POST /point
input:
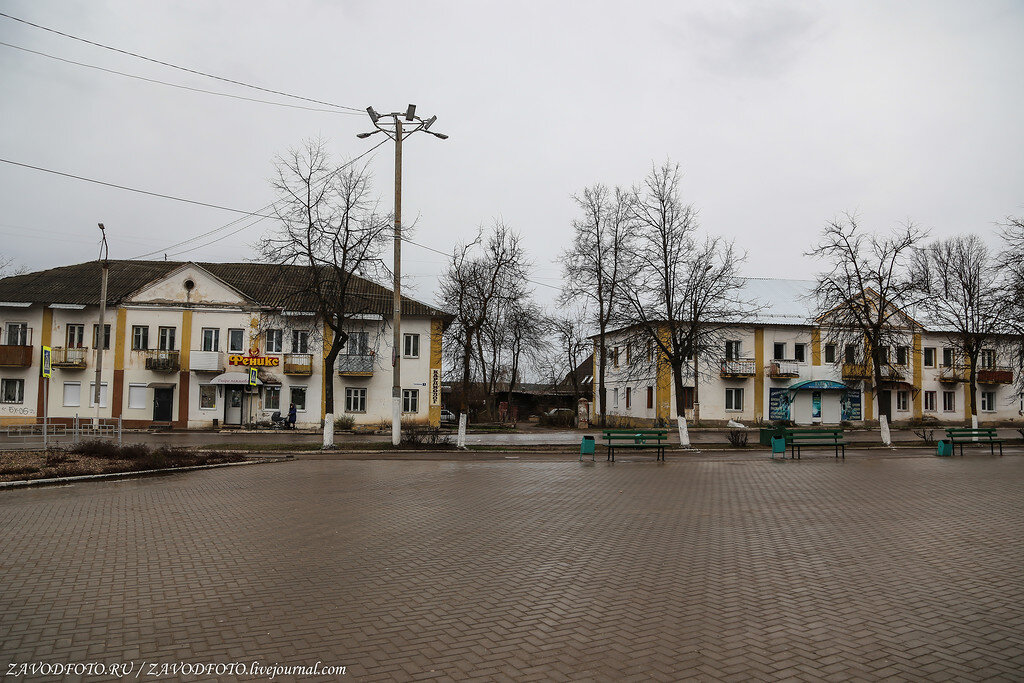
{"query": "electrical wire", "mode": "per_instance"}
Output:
(176, 85)
(180, 68)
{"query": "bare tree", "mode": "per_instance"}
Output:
(526, 339)
(7, 267)
(862, 295)
(330, 227)
(570, 346)
(685, 290)
(594, 266)
(1011, 267)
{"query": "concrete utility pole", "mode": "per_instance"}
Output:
(397, 132)
(100, 337)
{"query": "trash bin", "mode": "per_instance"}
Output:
(778, 445)
(587, 446)
(944, 448)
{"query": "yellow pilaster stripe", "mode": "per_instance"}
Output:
(918, 361)
(47, 331)
(759, 374)
(119, 337)
(663, 386)
(328, 374)
(869, 394)
(186, 338)
(815, 346)
(436, 328)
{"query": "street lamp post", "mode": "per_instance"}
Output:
(397, 131)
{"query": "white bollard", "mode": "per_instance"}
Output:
(329, 430)
(684, 434)
(460, 440)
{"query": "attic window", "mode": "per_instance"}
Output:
(189, 285)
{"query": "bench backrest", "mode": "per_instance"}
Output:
(635, 431)
(968, 431)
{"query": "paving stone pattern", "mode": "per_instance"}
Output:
(872, 568)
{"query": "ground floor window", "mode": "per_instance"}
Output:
(72, 394)
(734, 399)
(272, 397)
(988, 401)
(12, 390)
(298, 397)
(650, 397)
(903, 400)
(948, 401)
(410, 400)
(207, 397)
(615, 398)
(929, 401)
(136, 395)
(355, 400)
(629, 397)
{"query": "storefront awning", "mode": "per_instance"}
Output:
(161, 385)
(233, 378)
(818, 385)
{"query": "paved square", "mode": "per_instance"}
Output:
(876, 567)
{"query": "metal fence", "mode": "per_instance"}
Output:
(42, 436)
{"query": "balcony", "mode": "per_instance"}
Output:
(738, 368)
(953, 373)
(894, 373)
(356, 365)
(206, 361)
(15, 356)
(163, 361)
(299, 364)
(73, 358)
(783, 369)
(999, 374)
(855, 371)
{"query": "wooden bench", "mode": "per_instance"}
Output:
(635, 438)
(798, 439)
(962, 435)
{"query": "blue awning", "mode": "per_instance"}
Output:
(818, 385)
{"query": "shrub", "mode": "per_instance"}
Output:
(738, 438)
(344, 422)
(419, 435)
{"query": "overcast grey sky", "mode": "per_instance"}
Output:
(780, 114)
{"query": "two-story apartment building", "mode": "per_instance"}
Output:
(179, 340)
(780, 364)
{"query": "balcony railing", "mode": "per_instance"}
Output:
(206, 361)
(298, 364)
(783, 369)
(999, 374)
(856, 371)
(163, 361)
(953, 373)
(738, 367)
(12, 356)
(895, 373)
(356, 365)
(71, 358)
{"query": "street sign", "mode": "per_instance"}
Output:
(252, 377)
(47, 365)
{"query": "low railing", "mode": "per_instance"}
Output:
(856, 371)
(359, 365)
(738, 367)
(63, 357)
(999, 374)
(298, 364)
(895, 373)
(783, 369)
(953, 373)
(163, 361)
(206, 361)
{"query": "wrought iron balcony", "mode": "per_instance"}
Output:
(298, 364)
(783, 369)
(738, 367)
(71, 358)
(163, 361)
(356, 365)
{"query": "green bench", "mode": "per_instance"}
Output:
(635, 438)
(798, 439)
(962, 435)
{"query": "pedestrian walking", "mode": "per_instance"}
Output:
(291, 416)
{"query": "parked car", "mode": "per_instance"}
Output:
(448, 417)
(560, 411)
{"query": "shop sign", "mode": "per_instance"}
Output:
(254, 361)
(435, 386)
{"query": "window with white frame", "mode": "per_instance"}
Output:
(800, 353)
(948, 401)
(947, 357)
(987, 359)
(96, 336)
(412, 346)
(140, 337)
(72, 394)
(12, 390)
(355, 400)
(137, 396)
(207, 397)
(358, 343)
(929, 356)
(275, 343)
(76, 336)
(17, 334)
(211, 339)
(903, 400)
(779, 351)
(734, 399)
(92, 394)
(166, 338)
(410, 400)
(732, 349)
(929, 401)
(236, 340)
(298, 397)
(300, 341)
(988, 401)
(272, 398)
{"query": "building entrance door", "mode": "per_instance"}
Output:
(233, 405)
(885, 403)
(163, 404)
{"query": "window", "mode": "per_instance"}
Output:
(732, 349)
(410, 400)
(948, 401)
(355, 400)
(167, 338)
(207, 397)
(12, 390)
(929, 356)
(615, 357)
(650, 397)
(300, 341)
(72, 394)
(629, 354)
(298, 397)
(137, 396)
(615, 398)
(275, 343)
(236, 341)
(650, 351)
(800, 353)
(734, 399)
(947, 358)
(92, 394)
(629, 397)
(412, 346)
(902, 355)
(883, 355)
(140, 337)
(988, 401)
(272, 397)
(850, 354)
(902, 400)
(211, 339)
(830, 353)
(987, 359)
(17, 334)
(96, 336)
(929, 401)
(780, 351)
(76, 336)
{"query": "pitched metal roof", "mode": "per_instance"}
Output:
(266, 284)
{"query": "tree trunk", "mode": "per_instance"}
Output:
(602, 390)
(329, 362)
(677, 379)
(972, 393)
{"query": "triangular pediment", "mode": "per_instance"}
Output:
(189, 284)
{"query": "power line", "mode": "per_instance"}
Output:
(175, 66)
(447, 255)
(175, 85)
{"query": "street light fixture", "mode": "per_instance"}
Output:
(396, 130)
